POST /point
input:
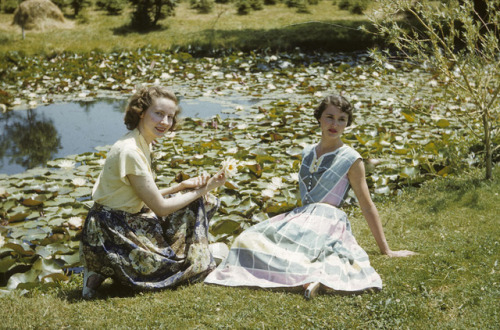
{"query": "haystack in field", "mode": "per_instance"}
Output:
(38, 15)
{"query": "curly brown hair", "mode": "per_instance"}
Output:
(338, 101)
(142, 100)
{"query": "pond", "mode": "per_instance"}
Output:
(30, 138)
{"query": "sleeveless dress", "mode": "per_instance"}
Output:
(311, 243)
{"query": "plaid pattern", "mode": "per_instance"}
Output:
(311, 243)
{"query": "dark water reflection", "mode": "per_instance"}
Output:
(29, 138)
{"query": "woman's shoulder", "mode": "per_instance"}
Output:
(308, 149)
(349, 152)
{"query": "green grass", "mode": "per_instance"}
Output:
(275, 28)
(452, 284)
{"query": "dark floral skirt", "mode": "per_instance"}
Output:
(146, 252)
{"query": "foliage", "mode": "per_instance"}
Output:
(460, 50)
(244, 7)
(354, 6)
(78, 5)
(9, 6)
(112, 7)
(257, 4)
(147, 13)
(203, 6)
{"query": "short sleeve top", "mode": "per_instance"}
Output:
(131, 154)
(324, 179)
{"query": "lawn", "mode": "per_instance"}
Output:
(452, 284)
(276, 27)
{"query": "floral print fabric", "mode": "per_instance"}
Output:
(146, 252)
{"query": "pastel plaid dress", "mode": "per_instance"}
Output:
(311, 243)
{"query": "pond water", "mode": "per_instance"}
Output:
(30, 138)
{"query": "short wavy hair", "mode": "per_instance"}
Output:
(338, 101)
(142, 100)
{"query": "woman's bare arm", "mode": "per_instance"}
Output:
(357, 180)
(146, 189)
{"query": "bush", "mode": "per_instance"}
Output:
(9, 6)
(354, 6)
(147, 13)
(358, 6)
(222, 1)
(257, 4)
(78, 5)
(203, 6)
(244, 7)
(112, 7)
(270, 2)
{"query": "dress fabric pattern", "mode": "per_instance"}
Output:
(311, 243)
(145, 252)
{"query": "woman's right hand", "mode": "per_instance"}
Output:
(195, 183)
(216, 181)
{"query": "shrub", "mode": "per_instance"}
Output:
(203, 6)
(354, 6)
(112, 7)
(147, 13)
(9, 6)
(78, 5)
(244, 7)
(270, 2)
(358, 6)
(222, 1)
(257, 4)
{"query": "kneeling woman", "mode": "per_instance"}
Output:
(141, 236)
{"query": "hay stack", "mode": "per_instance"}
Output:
(38, 15)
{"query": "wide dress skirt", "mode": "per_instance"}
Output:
(145, 252)
(311, 243)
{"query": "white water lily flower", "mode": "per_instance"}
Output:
(232, 150)
(242, 126)
(67, 164)
(276, 183)
(294, 177)
(79, 182)
(76, 222)
(2, 240)
(268, 193)
(230, 167)
(101, 161)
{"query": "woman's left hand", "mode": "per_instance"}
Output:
(195, 183)
(401, 253)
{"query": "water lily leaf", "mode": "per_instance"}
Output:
(17, 280)
(56, 277)
(70, 259)
(409, 172)
(443, 123)
(6, 263)
(408, 116)
(225, 226)
(34, 200)
(246, 207)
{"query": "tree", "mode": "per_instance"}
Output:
(459, 45)
(147, 13)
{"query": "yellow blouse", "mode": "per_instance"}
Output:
(129, 155)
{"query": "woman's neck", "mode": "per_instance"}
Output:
(325, 147)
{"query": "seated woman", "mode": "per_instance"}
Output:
(122, 238)
(312, 246)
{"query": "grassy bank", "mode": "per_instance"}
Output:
(452, 283)
(276, 27)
